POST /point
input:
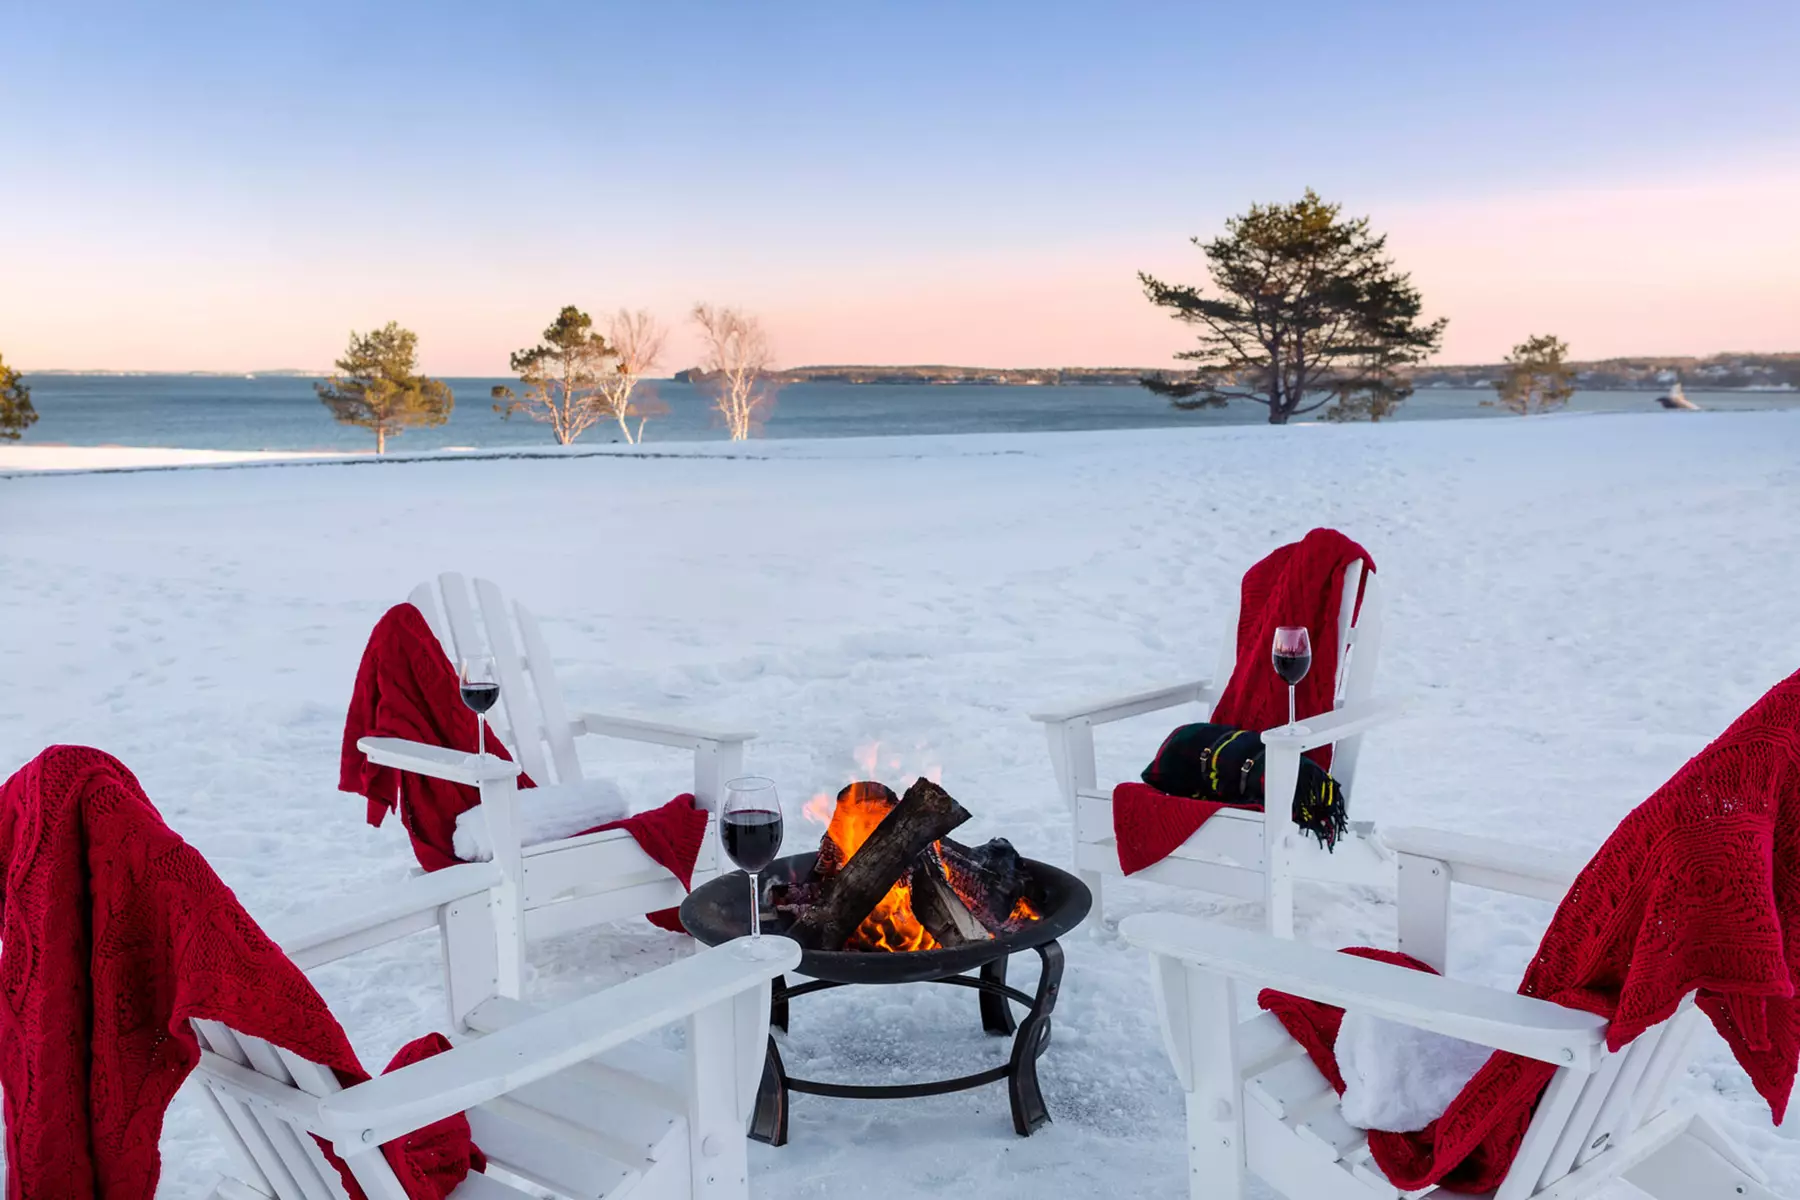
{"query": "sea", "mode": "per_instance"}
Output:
(282, 412)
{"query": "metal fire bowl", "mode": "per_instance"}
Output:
(719, 911)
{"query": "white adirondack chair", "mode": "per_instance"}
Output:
(570, 1099)
(1248, 855)
(564, 883)
(1257, 1106)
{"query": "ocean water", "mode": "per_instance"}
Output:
(282, 412)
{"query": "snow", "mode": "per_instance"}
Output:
(1576, 603)
(1399, 1078)
(116, 458)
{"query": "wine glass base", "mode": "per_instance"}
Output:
(1299, 730)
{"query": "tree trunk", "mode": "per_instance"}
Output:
(926, 813)
(381, 439)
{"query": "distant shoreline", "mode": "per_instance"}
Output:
(1736, 372)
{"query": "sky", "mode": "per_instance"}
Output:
(237, 186)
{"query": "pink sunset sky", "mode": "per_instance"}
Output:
(238, 195)
(1651, 267)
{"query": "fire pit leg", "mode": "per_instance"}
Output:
(769, 1120)
(996, 1013)
(1034, 1037)
(778, 1004)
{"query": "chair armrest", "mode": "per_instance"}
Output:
(1490, 862)
(1523, 1025)
(633, 730)
(436, 761)
(350, 923)
(1101, 712)
(478, 1071)
(1334, 726)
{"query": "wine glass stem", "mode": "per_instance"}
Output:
(755, 907)
(481, 736)
(1290, 706)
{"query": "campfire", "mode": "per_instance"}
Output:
(888, 878)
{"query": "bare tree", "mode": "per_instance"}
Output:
(637, 344)
(734, 367)
(563, 377)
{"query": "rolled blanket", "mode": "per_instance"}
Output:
(1226, 765)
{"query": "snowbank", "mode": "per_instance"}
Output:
(1577, 606)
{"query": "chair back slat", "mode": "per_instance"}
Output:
(1227, 664)
(1541, 1135)
(1608, 1127)
(424, 598)
(311, 1176)
(517, 704)
(557, 731)
(1356, 670)
(1574, 1133)
(1665, 1063)
(465, 636)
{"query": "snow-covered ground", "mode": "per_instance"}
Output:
(1577, 604)
(119, 458)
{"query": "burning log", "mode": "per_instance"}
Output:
(991, 879)
(856, 805)
(939, 909)
(926, 813)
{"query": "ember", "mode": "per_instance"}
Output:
(944, 892)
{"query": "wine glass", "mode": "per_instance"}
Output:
(480, 689)
(750, 827)
(1292, 656)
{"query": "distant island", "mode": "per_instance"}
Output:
(990, 376)
(1717, 372)
(1770, 372)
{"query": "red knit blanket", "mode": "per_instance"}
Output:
(1301, 583)
(115, 934)
(406, 688)
(1697, 889)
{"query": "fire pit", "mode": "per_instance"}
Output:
(890, 899)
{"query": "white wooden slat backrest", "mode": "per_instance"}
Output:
(305, 1175)
(259, 1160)
(466, 633)
(557, 730)
(540, 703)
(1358, 649)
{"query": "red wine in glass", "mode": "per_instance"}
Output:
(480, 690)
(750, 829)
(1292, 657)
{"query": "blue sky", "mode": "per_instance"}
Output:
(220, 181)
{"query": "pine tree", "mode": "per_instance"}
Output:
(1306, 311)
(565, 377)
(378, 386)
(16, 413)
(1538, 377)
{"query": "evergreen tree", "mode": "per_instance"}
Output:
(16, 413)
(565, 377)
(378, 386)
(1538, 377)
(1306, 311)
